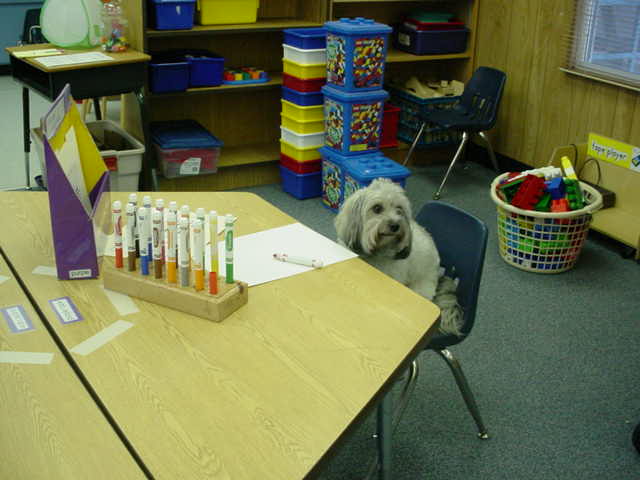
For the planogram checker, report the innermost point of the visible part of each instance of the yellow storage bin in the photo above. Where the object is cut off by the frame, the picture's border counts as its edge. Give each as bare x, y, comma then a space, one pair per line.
313, 113
305, 154
222, 12
307, 126
304, 71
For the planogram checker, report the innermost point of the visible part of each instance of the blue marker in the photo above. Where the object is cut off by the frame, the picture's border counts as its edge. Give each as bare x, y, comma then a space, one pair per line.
143, 225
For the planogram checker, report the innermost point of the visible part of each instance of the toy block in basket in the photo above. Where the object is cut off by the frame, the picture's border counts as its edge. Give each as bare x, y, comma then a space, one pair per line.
543, 218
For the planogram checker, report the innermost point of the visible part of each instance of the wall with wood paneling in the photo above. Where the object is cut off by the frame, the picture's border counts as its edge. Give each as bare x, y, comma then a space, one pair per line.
544, 107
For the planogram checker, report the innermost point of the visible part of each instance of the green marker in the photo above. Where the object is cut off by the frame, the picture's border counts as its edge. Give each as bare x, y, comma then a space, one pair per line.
228, 246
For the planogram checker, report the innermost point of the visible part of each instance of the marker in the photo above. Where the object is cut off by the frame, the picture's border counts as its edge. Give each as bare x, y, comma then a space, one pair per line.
163, 241
157, 243
568, 168
228, 247
171, 248
213, 250
143, 227
197, 252
183, 253
133, 200
308, 262
202, 216
131, 236
117, 231
146, 203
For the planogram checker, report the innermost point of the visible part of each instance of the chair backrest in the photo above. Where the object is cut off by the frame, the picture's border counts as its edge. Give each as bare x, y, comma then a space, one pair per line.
482, 95
461, 239
31, 32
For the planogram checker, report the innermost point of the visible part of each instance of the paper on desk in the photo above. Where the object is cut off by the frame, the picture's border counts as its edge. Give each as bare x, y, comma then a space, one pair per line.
73, 59
253, 254
69, 159
110, 248
37, 53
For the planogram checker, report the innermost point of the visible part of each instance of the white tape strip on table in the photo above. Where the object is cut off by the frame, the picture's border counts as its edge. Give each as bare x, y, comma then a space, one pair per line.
122, 303
44, 270
101, 338
36, 358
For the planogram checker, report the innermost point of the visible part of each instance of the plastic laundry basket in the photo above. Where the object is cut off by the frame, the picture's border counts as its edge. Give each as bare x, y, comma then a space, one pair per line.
539, 241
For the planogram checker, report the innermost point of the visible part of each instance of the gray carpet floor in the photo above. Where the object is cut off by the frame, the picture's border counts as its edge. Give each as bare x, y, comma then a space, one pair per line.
553, 360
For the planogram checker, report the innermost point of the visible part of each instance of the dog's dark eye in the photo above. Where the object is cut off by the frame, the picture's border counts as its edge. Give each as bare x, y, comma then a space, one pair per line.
377, 208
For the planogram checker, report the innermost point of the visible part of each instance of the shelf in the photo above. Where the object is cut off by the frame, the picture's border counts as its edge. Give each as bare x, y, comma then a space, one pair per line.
249, 154
397, 56
377, 1
271, 25
275, 81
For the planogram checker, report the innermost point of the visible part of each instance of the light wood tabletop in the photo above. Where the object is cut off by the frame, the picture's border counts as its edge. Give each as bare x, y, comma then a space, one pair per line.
119, 58
50, 427
266, 393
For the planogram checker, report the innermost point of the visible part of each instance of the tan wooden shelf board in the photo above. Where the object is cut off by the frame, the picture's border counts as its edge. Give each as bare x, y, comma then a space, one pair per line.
249, 154
259, 26
275, 81
394, 55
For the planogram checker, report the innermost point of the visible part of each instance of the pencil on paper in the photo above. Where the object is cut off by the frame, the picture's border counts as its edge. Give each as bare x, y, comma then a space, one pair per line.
308, 262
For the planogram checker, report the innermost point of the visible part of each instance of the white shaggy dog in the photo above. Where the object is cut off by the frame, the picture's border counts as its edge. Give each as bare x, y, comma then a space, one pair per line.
376, 223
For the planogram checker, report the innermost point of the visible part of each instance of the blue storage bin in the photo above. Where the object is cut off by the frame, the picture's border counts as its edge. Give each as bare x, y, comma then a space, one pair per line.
172, 14
306, 38
356, 53
205, 68
342, 175
301, 185
169, 75
431, 42
353, 121
304, 99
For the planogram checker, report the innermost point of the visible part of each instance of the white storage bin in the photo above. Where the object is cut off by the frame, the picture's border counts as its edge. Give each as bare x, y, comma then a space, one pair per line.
299, 55
123, 159
302, 140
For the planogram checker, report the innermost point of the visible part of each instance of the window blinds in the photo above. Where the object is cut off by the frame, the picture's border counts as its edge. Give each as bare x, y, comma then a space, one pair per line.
604, 40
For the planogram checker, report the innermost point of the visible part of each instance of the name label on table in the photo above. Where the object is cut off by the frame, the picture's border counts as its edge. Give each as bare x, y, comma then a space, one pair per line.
65, 310
17, 319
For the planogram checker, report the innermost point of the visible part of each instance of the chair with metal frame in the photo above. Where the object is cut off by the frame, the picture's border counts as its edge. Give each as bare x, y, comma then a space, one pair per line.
476, 112
461, 239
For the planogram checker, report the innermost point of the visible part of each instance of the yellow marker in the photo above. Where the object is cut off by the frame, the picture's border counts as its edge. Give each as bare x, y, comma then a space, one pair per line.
197, 250
213, 250
567, 166
172, 276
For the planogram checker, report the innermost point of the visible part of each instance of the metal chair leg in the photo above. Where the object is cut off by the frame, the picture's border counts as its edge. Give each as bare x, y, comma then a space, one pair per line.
463, 143
413, 145
463, 385
492, 155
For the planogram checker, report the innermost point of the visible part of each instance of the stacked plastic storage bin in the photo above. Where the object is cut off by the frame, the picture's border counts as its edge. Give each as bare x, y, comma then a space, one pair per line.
353, 109
302, 129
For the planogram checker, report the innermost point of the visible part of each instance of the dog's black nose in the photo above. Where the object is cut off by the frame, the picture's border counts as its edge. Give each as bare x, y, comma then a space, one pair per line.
394, 227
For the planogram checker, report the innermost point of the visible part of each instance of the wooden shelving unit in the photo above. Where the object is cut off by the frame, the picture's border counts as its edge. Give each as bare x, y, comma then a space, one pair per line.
269, 25
396, 56
275, 81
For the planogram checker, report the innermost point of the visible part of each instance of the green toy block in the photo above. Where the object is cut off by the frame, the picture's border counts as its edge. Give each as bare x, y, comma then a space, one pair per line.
510, 188
574, 194
544, 205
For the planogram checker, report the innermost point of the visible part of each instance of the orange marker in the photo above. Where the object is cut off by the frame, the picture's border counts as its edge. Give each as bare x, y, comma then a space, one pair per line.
213, 250
172, 276
197, 250
117, 232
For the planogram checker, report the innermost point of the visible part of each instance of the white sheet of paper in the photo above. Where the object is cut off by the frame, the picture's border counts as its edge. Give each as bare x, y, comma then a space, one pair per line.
69, 159
73, 59
253, 254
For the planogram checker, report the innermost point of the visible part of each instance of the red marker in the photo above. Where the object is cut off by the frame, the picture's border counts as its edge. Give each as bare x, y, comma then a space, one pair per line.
117, 235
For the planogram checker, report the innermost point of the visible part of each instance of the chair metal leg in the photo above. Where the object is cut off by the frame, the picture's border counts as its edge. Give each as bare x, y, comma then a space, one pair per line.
492, 155
413, 145
463, 385
463, 143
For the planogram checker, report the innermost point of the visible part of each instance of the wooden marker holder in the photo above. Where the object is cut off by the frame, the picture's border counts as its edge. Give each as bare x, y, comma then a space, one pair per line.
230, 296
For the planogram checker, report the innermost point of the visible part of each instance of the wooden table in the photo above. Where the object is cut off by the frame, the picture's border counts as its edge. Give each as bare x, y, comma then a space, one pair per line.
50, 427
126, 73
267, 393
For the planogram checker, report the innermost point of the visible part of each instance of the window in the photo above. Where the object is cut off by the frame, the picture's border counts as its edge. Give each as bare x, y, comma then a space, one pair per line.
605, 41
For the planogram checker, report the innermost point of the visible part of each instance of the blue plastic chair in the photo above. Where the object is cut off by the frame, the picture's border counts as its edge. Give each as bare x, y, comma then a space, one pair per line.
476, 112
461, 239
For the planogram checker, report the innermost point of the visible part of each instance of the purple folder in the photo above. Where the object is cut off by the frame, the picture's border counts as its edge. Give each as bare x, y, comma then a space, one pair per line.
74, 240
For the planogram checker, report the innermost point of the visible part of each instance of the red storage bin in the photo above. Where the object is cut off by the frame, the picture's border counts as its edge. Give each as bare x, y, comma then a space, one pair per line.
390, 117
300, 167
308, 85
418, 25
